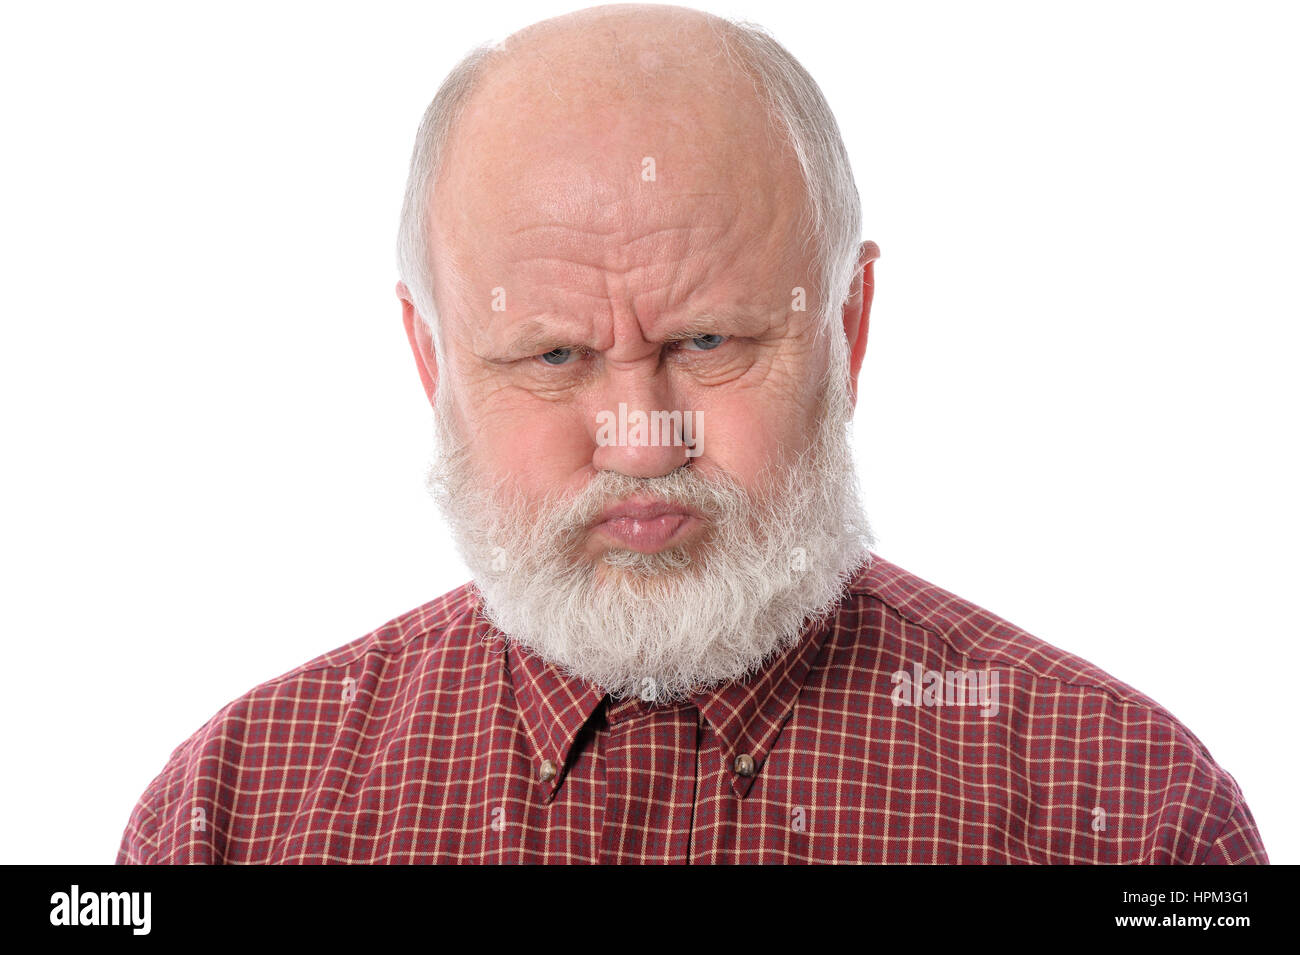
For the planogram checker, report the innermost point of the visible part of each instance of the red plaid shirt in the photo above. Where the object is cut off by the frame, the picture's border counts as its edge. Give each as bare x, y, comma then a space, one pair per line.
430, 741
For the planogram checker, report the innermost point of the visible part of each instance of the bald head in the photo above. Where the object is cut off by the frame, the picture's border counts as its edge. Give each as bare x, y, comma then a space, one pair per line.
609, 66
629, 47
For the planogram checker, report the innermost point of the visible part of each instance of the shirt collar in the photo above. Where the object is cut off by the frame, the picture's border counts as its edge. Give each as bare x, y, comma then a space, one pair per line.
747, 716
553, 707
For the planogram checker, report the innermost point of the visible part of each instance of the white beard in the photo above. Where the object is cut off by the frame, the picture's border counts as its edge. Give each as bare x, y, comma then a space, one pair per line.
666, 625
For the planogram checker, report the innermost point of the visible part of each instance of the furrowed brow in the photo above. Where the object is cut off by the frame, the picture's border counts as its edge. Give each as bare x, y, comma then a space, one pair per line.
722, 321
535, 338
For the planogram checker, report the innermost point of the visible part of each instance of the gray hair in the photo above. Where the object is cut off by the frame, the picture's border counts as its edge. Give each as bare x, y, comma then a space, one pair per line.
832, 222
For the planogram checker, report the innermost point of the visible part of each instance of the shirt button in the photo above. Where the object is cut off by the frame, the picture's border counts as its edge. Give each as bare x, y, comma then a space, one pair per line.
745, 765
546, 771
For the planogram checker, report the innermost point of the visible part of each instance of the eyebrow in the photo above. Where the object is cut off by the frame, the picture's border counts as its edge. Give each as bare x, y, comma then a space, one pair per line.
536, 337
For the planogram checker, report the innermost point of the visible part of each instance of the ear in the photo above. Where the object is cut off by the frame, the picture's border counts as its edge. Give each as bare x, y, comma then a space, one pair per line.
417, 333
857, 314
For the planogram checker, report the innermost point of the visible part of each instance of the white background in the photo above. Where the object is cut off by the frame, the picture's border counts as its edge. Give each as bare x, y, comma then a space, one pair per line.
1078, 404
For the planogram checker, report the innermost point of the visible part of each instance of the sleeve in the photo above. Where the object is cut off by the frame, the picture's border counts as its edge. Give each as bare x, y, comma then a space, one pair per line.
139, 845
1238, 841
170, 823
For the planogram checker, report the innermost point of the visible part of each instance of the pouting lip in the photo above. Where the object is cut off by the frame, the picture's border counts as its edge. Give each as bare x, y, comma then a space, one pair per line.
643, 509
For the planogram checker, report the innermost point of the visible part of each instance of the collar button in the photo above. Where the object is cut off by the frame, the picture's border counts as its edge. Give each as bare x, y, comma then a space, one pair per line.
745, 765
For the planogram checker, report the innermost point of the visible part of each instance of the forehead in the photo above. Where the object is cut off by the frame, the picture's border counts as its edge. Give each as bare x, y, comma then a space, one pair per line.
620, 178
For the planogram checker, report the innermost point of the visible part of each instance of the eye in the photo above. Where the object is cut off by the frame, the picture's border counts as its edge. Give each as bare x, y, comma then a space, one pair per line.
558, 356
703, 342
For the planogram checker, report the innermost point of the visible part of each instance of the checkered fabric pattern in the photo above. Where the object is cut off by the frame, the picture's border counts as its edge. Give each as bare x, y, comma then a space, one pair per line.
431, 740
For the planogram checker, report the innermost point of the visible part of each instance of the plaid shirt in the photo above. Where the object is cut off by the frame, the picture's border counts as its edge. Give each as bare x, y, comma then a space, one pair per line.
430, 740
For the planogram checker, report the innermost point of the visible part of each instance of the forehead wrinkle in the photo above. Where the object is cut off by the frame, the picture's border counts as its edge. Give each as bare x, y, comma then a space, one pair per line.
658, 296
675, 247
625, 235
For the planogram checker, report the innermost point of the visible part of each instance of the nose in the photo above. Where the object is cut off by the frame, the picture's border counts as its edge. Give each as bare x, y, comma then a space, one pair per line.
640, 442
642, 431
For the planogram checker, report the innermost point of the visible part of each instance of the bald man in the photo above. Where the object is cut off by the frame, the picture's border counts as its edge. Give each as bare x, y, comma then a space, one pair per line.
633, 282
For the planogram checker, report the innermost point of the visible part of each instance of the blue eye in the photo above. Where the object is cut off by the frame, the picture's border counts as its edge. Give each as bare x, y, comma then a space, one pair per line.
705, 342
557, 356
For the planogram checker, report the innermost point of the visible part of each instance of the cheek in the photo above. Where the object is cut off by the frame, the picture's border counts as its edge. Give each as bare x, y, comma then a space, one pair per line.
538, 449
746, 433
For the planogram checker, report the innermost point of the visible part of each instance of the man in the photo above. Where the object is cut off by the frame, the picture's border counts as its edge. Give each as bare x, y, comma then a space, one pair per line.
634, 286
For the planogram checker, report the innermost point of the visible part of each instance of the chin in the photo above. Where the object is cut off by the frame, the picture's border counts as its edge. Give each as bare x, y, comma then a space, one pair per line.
668, 564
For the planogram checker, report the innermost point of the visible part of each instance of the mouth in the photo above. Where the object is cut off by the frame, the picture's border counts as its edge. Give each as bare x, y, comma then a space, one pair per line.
647, 526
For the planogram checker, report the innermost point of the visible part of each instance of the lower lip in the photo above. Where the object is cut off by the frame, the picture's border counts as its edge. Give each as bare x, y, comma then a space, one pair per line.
645, 535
